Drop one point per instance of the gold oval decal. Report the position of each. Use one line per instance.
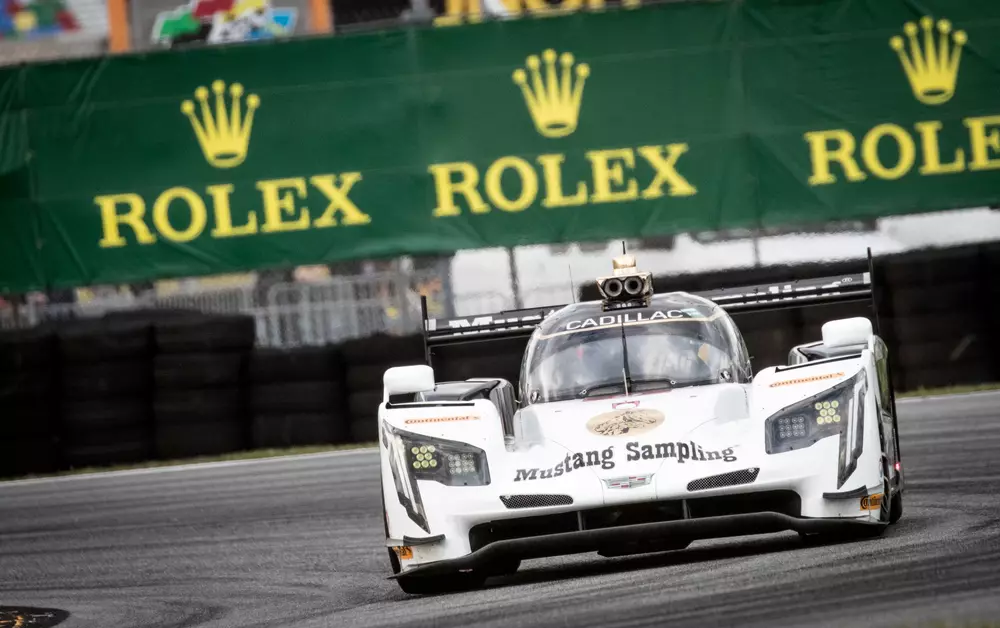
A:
(625, 422)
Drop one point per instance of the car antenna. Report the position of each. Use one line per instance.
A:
(626, 375)
(572, 287)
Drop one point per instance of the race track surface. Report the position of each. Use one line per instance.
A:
(299, 543)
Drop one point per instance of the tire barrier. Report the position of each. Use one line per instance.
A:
(367, 360)
(200, 400)
(164, 384)
(105, 388)
(297, 397)
(29, 413)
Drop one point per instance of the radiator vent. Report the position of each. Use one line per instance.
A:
(535, 501)
(733, 478)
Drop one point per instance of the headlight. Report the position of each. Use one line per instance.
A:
(836, 411)
(449, 462)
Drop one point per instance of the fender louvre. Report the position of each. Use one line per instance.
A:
(782, 369)
(430, 404)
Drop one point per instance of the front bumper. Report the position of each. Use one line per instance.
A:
(582, 541)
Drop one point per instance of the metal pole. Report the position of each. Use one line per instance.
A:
(514, 283)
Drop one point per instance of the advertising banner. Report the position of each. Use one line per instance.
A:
(592, 126)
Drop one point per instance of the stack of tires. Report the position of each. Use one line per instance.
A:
(940, 319)
(498, 358)
(199, 405)
(105, 391)
(367, 360)
(297, 397)
(28, 412)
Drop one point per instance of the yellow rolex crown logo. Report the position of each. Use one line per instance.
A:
(553, 101)
(931, 67)
(225, 135)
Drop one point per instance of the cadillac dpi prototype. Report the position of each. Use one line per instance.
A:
(637, 426)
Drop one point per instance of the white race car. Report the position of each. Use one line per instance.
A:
(638, 426)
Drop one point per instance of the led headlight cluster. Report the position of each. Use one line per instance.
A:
(449, 462)
(831, 412)
(827, 412)
(424, 457)
(461, 464)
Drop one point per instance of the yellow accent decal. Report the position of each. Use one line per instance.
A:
(871, 502)
(803, 380)
(404, 553)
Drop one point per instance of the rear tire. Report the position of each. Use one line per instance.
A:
(896, 507)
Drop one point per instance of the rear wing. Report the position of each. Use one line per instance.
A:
(771, 296)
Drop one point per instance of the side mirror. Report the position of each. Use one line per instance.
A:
(408, 380)
(847, 331)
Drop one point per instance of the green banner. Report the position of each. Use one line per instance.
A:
(686, 116)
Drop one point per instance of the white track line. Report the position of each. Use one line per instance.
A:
(189, 467)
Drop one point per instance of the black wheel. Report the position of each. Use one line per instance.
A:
(430, 585)
(896, 507)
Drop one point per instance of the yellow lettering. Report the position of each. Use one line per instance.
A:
(907, 151)
(552, 171)
(494, 187)
(445, 189)
(666, 171)
(932, 151)
(196, 208)
(607, 173)
(573, 5)
(339, 200)
(982, 142)
(224, 216)
(455, 11)
(277, 203)
(821, 156)
(111, 220)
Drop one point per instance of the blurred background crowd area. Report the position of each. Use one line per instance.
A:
(39, 30)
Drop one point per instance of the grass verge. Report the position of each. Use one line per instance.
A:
(252, 454)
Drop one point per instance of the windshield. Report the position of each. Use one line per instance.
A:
(590, 362)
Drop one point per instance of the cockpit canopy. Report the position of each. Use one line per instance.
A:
(677, 340)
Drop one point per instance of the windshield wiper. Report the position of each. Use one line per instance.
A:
(585, 392)
(662, 382)
(666, 382)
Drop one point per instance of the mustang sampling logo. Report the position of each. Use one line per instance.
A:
(625, 422)
(686, 451)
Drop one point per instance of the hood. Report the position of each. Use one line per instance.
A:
(637, 434)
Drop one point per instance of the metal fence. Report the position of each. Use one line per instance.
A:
(300, 313)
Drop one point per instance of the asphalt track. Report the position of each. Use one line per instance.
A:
(299, 543)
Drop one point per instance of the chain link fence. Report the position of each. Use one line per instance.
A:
(290, 314)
